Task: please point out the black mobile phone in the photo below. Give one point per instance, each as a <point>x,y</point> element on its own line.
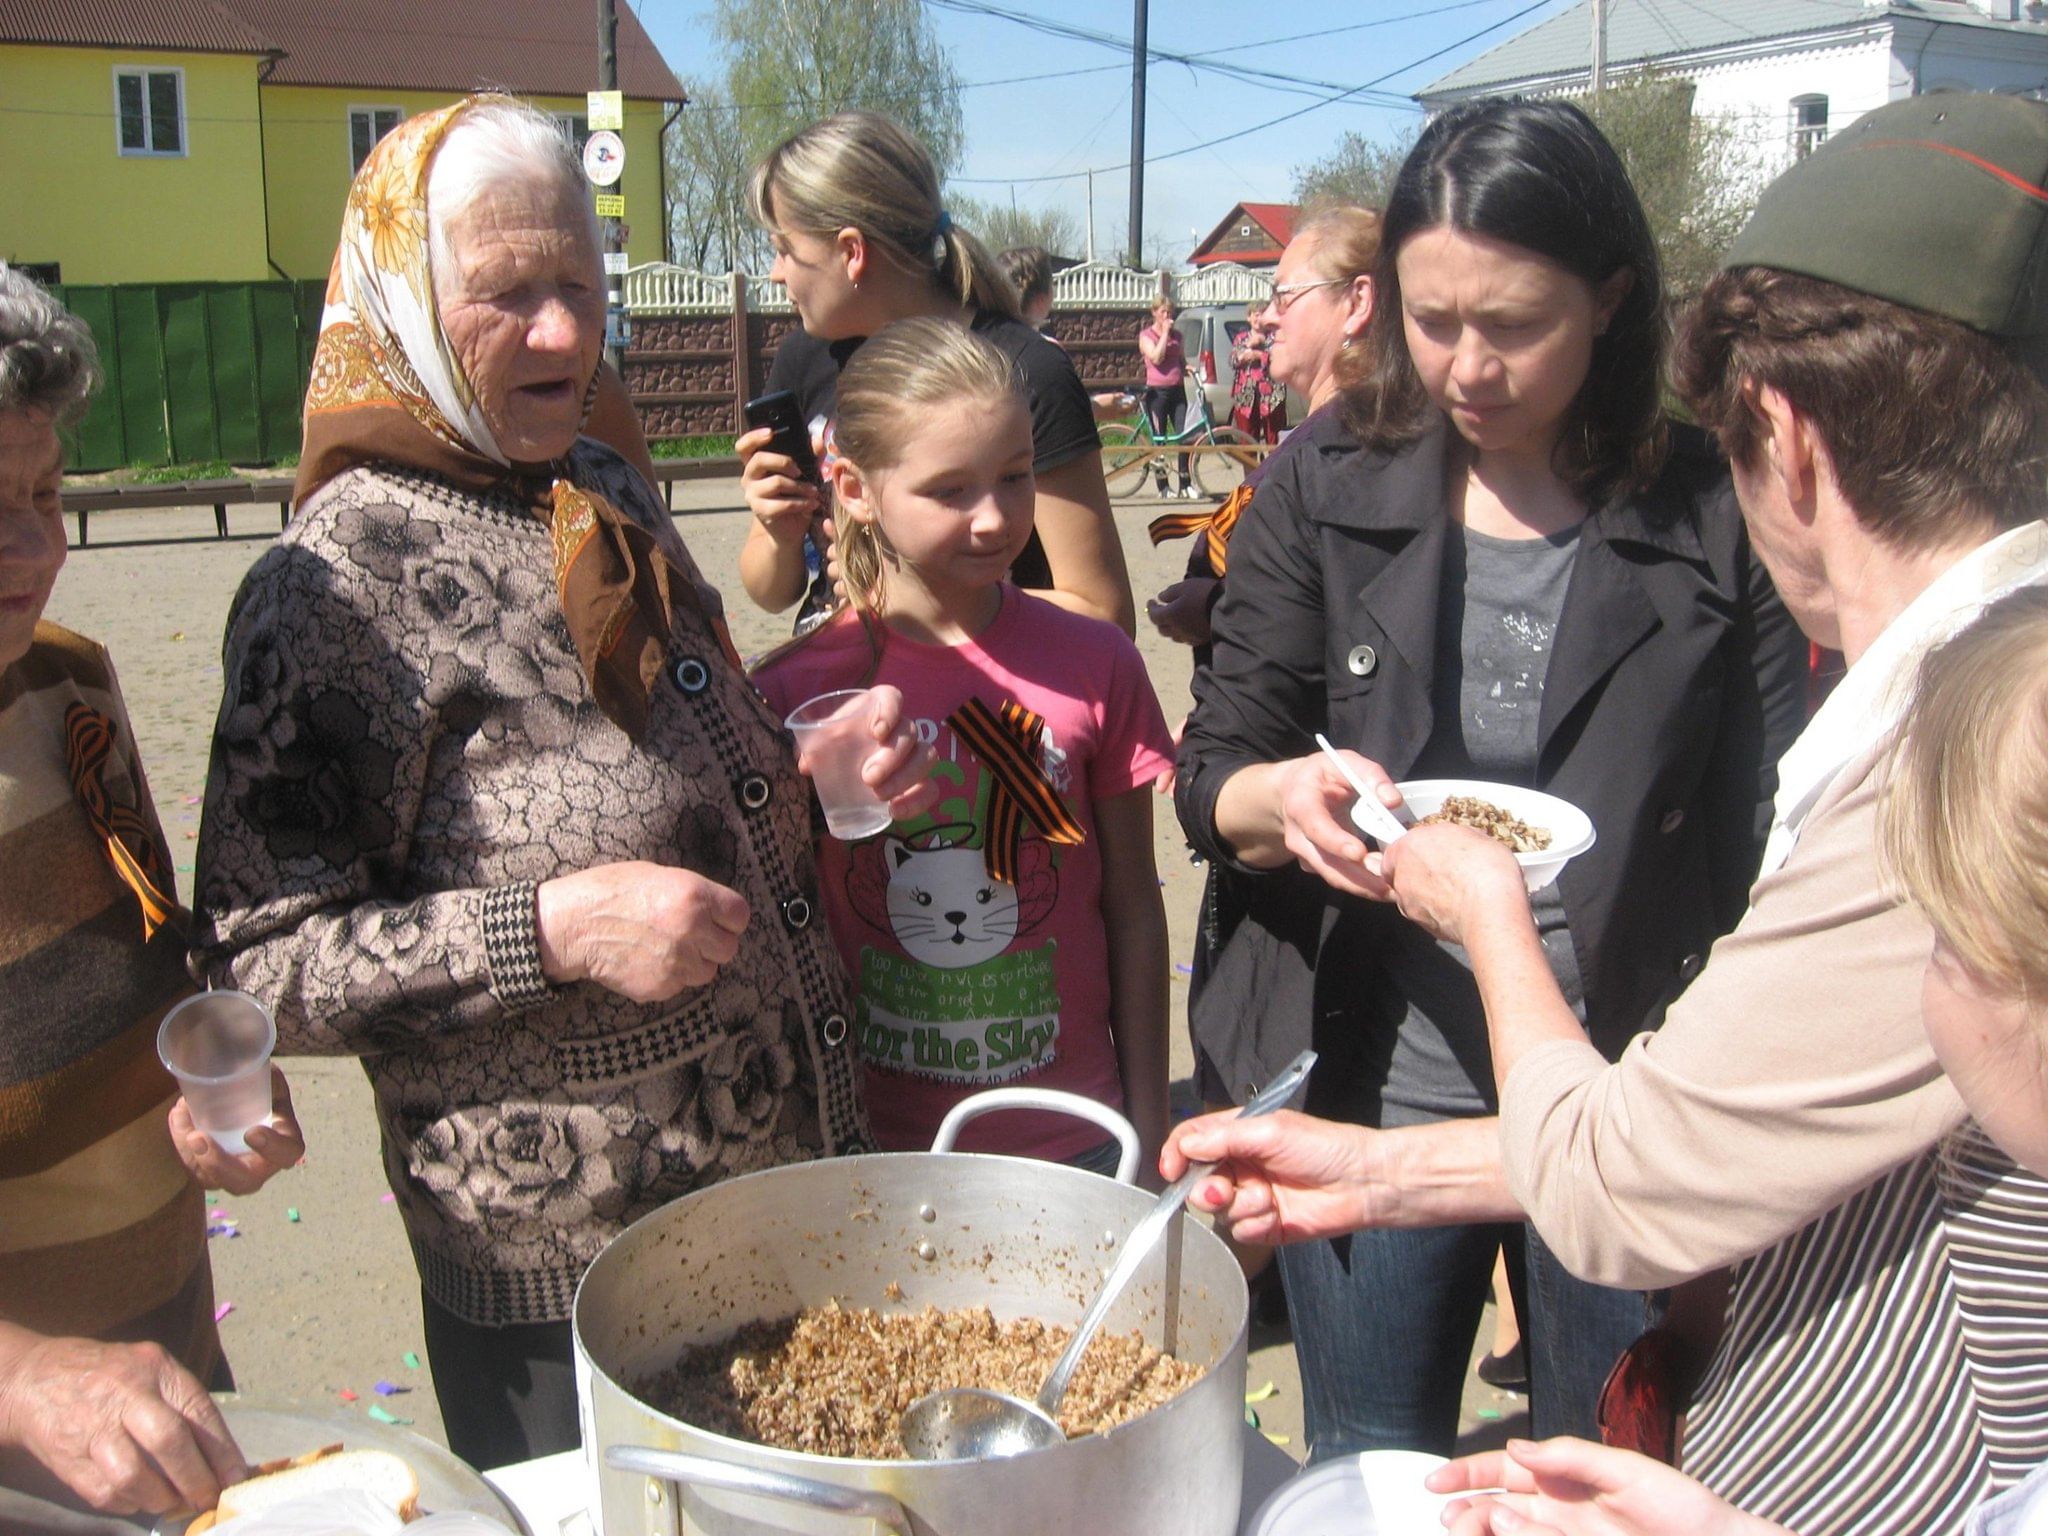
<point>780,412</point>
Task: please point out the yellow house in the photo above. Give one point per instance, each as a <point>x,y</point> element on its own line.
<point>156,141</point>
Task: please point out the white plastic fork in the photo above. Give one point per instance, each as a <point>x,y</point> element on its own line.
<point>1386,827</point>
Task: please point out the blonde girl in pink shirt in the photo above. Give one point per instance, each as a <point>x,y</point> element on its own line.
<point>1015,933</point>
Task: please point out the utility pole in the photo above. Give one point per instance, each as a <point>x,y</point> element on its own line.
<point>614,288</point>
<point>1599,69</point>
<point>1091,215</point>
<point>1137,225</point>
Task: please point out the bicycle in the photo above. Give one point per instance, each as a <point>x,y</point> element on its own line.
<point>1132,454</point>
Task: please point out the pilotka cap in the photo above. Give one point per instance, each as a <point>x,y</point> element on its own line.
<point>1936,202</point>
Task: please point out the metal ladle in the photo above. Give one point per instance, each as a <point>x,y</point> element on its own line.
<point>974,1424</point>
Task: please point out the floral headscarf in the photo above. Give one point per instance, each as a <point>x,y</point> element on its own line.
<point>387,388</point>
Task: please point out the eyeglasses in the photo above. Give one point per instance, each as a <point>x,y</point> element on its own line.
<point>1284,294</point>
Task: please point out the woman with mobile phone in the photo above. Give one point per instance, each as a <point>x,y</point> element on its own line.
<point>861,239</point>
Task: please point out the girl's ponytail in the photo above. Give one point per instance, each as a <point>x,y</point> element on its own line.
<point>861,171</point>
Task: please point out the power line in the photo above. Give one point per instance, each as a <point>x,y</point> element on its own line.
<point>1271,122</point>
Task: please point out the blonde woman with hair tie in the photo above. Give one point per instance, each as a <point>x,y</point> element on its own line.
<point>861,240</point>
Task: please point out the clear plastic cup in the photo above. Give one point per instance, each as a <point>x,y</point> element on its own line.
<point>217,1045</point>
<point>832,745</point>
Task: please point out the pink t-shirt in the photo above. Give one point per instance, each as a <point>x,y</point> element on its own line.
<point>962,982</point>
<point>1172,365</point>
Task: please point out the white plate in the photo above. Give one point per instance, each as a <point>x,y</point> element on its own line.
<point>1570,829</point>
<point>1375,1493</point>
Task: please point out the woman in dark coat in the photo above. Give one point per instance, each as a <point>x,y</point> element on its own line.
<point>1497,562</point>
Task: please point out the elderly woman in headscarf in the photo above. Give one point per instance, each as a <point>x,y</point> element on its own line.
<point>491,805</point>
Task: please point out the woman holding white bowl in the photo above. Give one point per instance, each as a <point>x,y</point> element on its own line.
<point>1497,562</point>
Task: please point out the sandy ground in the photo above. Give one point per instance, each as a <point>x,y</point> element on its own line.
<point>324,1295</point>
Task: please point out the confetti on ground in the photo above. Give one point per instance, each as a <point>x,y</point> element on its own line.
<point>1185,970</point>
<point>347,1396</point>
<point>184,869</point>
<point>387,1198</point>
<point>1251,1417</point>
<point>177,634</point>
<point>1277,1439</point>
<point>412,1361</point>
<point>213,1199</point>
<point>1268,1390</point>
<point>1489,1413</point>
<point>390,1389</point>
<point>291,1214</point>
<point>385,1416</point>
<point>194,800</point>
<point>223,1310</point>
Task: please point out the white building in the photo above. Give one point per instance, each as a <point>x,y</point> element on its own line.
<point>1785,72</point>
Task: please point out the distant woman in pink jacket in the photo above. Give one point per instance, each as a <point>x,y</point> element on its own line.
<point>1166,398</point>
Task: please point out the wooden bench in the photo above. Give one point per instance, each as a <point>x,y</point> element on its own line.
<point>219,494</point>
<point>724,466</point>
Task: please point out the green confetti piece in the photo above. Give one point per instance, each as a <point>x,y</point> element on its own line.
<point>1251,1417</point>
<point>412,1361</point>
<point>291,1213</point>
<point>386,1416</point>
<point>213,1199</point>
<point>1489,1413</point>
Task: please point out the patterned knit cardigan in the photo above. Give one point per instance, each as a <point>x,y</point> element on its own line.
<point>407,746</point>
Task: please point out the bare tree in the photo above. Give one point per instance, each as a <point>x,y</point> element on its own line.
<point>708,166</point>
<point>1001,226</point>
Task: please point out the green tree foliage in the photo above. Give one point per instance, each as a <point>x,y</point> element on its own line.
<point>1359,171</point>
<point>1697,176</point>
<point>1001,225</point>
<point>785,64</point>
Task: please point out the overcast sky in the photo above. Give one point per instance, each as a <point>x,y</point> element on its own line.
<point>1083,120</point>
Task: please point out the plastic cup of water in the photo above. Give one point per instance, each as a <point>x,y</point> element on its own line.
<point>217,1045</point>
<point>833,743</point>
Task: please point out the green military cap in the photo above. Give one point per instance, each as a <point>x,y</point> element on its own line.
<point>1936,202</point>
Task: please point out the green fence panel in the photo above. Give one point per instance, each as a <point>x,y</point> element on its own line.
<point>188,372</point>
<point>99,441</point>
<point>237,401</point>
<point>280,384</point>
<point>137,339</point>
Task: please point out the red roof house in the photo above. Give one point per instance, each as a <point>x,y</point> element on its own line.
<point>1252,235</point>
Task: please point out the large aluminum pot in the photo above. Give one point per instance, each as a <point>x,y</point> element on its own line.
<point>897,1232</point>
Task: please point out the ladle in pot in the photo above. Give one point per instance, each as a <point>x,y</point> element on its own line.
<point>974,1424</point>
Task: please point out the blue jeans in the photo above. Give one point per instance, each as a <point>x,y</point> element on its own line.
<point>1384,1324</point>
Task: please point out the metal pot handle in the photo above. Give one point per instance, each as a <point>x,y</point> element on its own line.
<point>1053,1099</point>
<point>674,1467</point>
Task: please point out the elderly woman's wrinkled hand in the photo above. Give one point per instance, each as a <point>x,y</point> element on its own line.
<point>123,1426</point>
<point>900,768</point>
<point>1315,815</point>
<point>274,1146</point>
<point>1568,1487</point>
<point>781,503</point>
<point>1280,1178</point>
<point>645,931</point>
<point>1451,879</point>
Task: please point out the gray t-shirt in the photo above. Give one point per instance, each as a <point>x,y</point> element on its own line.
<point>1496,615</point>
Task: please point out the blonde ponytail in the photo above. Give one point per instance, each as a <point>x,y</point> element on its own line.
<point>859,170</point>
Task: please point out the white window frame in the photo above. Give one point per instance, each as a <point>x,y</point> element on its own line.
<point>1807,137</point>
<point>348,146</point>
<point>567,121</point>
<point>143,72</point>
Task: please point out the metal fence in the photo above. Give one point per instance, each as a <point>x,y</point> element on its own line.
<point>660,289</point>
<point>195,371</point>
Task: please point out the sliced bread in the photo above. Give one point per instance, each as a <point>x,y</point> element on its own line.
<point>379,1473</point>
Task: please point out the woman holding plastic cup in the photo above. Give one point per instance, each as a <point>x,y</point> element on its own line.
<point>107,1338</point>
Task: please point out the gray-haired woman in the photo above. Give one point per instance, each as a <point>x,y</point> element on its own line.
<point>491,805</point>
<point>107,1339</point>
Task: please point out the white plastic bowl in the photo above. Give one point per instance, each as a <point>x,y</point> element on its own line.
<point>1375,1493</point>
<point>1570,829</point>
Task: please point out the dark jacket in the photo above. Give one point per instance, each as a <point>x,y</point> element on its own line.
<point>1675,681</point>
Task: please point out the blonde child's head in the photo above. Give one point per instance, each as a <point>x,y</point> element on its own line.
<point>913,377</point>
<point>1966,811</point>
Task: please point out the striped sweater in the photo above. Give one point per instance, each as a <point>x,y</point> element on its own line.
<point>102,1231</point>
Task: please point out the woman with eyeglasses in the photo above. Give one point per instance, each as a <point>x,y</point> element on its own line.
<point>1492,559</point>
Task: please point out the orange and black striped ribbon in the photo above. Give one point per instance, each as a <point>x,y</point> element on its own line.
<point>129,844</point>
<point>1215,527</point>
<point>1008,746</point>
